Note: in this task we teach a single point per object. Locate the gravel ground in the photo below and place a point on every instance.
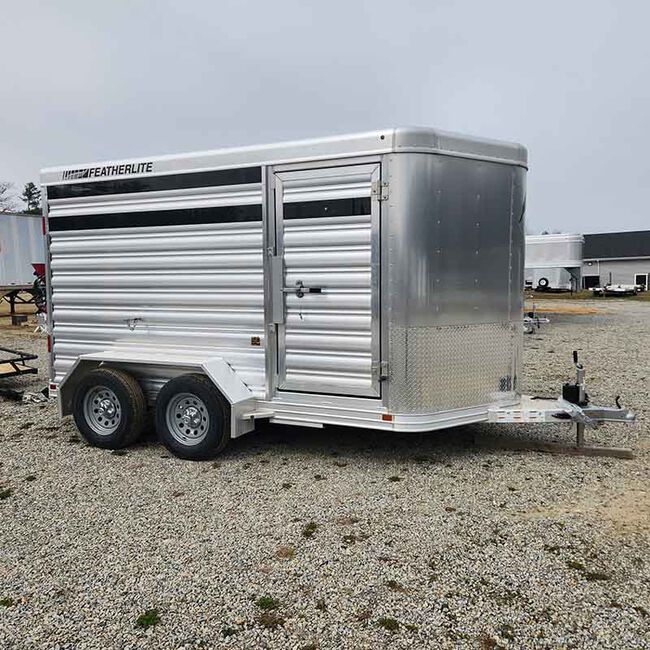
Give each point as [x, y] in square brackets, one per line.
[302, 538]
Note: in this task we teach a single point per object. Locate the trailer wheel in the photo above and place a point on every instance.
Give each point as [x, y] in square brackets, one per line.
[109, 408]
[192, 417]
[543, 283]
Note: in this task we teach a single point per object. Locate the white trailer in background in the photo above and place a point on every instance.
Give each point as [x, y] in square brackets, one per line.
[22, 244]
[370, 280]
[22, 252]
[553, 262]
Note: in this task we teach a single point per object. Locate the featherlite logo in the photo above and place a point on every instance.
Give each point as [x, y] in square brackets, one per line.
[108, 170]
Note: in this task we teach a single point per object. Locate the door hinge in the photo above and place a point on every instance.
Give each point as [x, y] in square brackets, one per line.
[379, 190]
[380, 370]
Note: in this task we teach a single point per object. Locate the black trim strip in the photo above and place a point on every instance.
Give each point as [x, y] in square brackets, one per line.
[332, 208]
[226, 214]
[241, 176]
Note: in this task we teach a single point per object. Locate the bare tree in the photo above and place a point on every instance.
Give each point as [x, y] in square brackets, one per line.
[7, 198]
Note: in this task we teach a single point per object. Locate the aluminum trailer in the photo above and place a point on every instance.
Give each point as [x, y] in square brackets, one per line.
[553, 262]
[22, 247]
[370, 280]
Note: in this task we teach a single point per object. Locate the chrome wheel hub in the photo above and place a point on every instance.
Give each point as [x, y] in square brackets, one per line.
[187, 418]
[102, 410]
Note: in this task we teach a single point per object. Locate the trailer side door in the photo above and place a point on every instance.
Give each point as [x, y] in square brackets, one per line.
[325, 282]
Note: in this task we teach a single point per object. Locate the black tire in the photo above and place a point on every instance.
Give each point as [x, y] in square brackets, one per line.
[207, 433]
[543, 283]
[96, 387]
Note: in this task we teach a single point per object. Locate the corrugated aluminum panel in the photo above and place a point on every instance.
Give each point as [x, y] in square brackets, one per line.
[194, 290]
[326, 342]
[21, 245]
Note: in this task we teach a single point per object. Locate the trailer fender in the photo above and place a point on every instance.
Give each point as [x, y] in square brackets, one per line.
[220, 372]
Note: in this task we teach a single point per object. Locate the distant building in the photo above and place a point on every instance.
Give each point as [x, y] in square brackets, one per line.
[616, 258]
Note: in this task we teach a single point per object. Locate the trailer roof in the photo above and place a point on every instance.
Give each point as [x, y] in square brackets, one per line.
[403, 139]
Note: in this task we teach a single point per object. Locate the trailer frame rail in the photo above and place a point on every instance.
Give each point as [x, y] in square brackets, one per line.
[14, 363]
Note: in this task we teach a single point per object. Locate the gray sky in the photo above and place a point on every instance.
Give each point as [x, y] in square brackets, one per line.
[84, 81]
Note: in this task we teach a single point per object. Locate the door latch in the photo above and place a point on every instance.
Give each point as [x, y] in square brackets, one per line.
[300, 289]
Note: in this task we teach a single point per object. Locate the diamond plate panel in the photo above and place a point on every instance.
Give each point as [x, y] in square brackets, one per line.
[457, 366]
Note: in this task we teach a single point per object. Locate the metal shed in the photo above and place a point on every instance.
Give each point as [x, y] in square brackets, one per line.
[370, 280]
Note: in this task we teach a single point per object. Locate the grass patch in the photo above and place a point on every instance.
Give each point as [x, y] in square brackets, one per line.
[390, 624]
[148, 618]
[267, 602]
[270, 620]
[593, 576]
[393, 585]
[394, 479]
[7, 602]
[310, 529]
[310, 646]
[590, 576]
[228, 631]
[5, 493]
[575, 564]
[350, 539]
[507, 631]
[321, 605]
[30, 478]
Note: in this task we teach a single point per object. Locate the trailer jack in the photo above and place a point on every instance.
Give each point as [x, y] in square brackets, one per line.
[572, 406]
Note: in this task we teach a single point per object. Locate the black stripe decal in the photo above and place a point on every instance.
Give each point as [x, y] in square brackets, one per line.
[240, 176]
[333, 208]
[226, 214]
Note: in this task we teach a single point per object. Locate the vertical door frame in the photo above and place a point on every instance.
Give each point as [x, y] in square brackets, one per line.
[273, 260]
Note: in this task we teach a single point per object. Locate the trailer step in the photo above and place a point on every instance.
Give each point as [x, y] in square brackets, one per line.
[260, 414]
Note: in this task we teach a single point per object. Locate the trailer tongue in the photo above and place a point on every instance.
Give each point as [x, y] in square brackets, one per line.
[573, 406]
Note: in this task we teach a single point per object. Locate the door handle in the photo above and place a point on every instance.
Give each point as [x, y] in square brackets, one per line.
[300, 289]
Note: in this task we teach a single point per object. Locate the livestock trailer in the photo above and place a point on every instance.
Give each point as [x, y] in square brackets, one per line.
[22, 250]
[369, 280]
[554, 262]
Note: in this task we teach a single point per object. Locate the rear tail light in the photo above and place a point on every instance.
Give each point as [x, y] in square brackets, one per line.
[49, 343]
